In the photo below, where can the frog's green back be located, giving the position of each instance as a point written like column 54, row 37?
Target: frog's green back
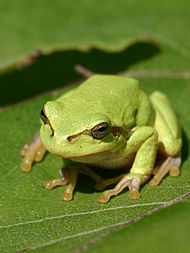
column 121, row 99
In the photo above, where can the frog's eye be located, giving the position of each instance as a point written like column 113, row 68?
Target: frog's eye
column 43, row 116
column 100, row 130
column 45, row 120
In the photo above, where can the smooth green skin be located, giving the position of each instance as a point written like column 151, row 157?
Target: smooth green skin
column 119, row 101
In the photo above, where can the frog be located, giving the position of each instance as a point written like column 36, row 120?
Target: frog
column 108, row 122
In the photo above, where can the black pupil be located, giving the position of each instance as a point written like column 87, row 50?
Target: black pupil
column 42, row 113
column 43, row 116
column 101, row 129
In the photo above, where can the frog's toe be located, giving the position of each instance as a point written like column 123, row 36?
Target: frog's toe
column 175, row 163
column 32, row 151
column 174, row 171
column 39, row 154
column 104, row 198
column 23, row 150
column 134, row 194
column 134, row 185
column 48, row 185
column 67, row 196
column 170, row 165
column 53, row 183
column 154, row 182
column 26, row 165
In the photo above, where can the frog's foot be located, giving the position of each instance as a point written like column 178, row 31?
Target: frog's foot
column 32, row 151
column 73, row 176
column 70, row 175
column 171, row 165
column 132, row 182
column 159, row 162
column 59, row 181
column 104, row 183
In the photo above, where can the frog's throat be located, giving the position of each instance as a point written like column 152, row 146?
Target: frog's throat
column 84, row 156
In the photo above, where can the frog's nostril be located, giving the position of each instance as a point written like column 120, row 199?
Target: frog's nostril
column 43, row 116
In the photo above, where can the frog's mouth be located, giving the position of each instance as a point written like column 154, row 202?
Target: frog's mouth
column 45, row 120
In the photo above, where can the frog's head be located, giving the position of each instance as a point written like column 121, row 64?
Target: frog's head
column 75, row 133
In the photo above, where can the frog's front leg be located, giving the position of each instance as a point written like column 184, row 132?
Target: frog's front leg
column 73, row 176
column 169, row 137
column 32, row 151
column 143, row 142
column 70, row 175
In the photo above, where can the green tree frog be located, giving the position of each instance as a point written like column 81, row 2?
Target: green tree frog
column 108, row 122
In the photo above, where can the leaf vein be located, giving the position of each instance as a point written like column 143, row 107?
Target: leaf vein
column 81, row 213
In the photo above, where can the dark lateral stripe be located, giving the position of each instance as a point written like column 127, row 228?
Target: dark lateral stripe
column 86, row 132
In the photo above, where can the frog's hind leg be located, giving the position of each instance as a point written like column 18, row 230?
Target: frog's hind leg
column 106, row 182
column 169, row 137
column 89, row 172
column 70, row 176
column 171, row 165
column 73, row 175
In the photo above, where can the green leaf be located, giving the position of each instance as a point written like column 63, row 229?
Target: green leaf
column 33, row 218
column 165, row 231
column 61, row 25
